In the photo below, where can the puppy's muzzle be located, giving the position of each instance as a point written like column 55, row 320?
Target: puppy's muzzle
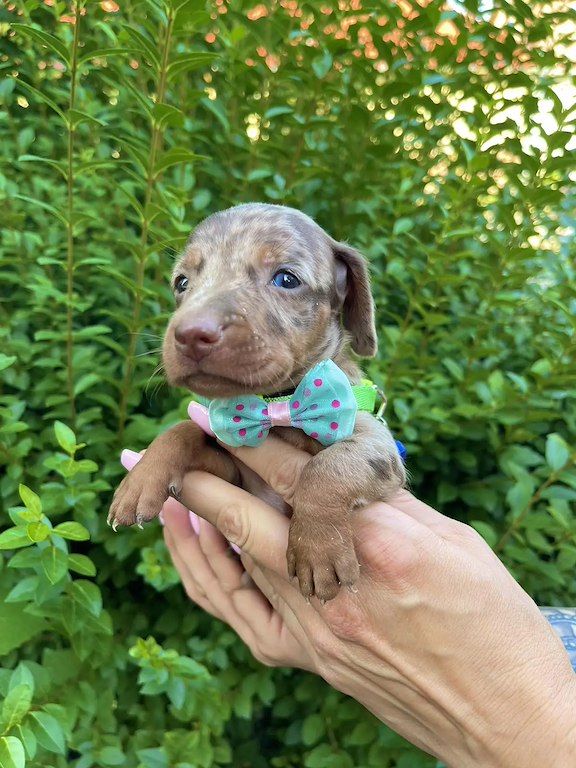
column 197, row 337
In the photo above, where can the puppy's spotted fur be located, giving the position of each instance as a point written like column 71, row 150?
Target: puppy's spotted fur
column 237, row 330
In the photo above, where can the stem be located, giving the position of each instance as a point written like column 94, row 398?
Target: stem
column 70, row 223
column 157, row 134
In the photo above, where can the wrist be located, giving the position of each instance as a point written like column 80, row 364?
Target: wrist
column 542, row 734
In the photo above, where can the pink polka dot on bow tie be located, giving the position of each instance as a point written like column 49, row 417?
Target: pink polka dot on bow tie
column 334, row 425
column 307, row 393
column 314, row 406
column 335, row 403
column 264, row 411
column 260, row 435
column 295, row 404
column 242, row 432
column 317, row 382
column 240, row 407
column 314, row 434
column 236, row 419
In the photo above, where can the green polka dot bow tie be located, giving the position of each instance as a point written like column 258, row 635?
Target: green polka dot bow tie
column 324, row 406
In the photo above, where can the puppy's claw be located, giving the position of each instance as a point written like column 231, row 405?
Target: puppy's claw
column 139, row 525
column 352, row 588
column 174, row 492
column 115, row 526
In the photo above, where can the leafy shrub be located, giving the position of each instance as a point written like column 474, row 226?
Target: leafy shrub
column 120, row 129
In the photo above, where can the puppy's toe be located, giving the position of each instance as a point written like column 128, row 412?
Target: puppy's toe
column 322, row 570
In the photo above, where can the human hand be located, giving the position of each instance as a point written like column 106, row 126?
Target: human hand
column 438, row 641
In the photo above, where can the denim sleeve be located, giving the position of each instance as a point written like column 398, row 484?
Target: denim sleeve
column 563, row 621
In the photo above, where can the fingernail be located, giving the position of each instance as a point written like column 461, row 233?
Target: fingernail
column 129, row 458
column 199, row 415
column 194, row 522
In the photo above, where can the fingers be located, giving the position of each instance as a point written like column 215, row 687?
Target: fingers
column 217, row 582
column 250, row 523
column 277, row 462
column 186, row 554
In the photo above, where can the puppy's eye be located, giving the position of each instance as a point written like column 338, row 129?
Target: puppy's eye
column 284, row 279
column 181, row 283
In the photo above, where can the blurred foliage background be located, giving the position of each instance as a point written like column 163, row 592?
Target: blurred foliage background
column 436, row 137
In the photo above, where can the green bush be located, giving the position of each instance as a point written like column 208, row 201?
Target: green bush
column 122, row 128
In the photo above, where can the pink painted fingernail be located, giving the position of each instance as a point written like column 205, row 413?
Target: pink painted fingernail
column 199, row 414
column 194, row 522
column 129, row 458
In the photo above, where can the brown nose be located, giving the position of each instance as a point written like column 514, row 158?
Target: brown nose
column 196, row 337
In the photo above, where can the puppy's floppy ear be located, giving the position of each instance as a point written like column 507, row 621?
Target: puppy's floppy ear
column 354, row 298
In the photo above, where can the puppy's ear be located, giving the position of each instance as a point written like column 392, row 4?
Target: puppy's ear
column 354, row 298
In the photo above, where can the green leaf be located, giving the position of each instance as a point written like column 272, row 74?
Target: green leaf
column 88, row 595
column 486, row 531
column 54, row 563
column 11, row 753
column 164, row 115
column 15, row 706
column 44, row 206
column 15, row 538
column 42, row 98
column 362, row 734
column 111, row 756
column 321, row 65
column 30, row 500
column 313, row 728
column 37, row 532
column 65, row 437
column 6, row 360
column 557, row 452
column 73, row 531
column 402, row 225
column 56, row 164
column 143, row 45
column 49, row 732
column 520, row 495
column 82, row 565
column 17, row 627
column 75, row 117
column 45, row 38
column 102, row 53
column 175, row 156
column 185, row 62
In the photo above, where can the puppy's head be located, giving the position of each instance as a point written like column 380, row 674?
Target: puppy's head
column 263, row 294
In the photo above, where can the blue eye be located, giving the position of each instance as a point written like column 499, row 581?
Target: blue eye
column 284, row 279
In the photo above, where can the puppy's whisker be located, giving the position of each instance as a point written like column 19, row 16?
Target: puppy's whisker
column 159, row 370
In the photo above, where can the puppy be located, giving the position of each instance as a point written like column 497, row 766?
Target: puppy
column 268, row 303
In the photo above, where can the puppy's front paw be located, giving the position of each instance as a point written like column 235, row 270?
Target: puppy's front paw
column 321, row 556
column 141, row 494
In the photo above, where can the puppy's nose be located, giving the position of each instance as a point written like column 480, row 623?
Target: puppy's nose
column 196, row 337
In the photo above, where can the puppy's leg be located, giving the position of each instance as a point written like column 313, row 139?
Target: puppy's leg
column 347, row 475
column 160, row 472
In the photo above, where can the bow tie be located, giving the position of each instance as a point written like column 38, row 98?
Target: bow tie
column 323, row 406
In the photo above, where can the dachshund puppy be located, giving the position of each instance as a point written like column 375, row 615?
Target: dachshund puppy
column 268, row 307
